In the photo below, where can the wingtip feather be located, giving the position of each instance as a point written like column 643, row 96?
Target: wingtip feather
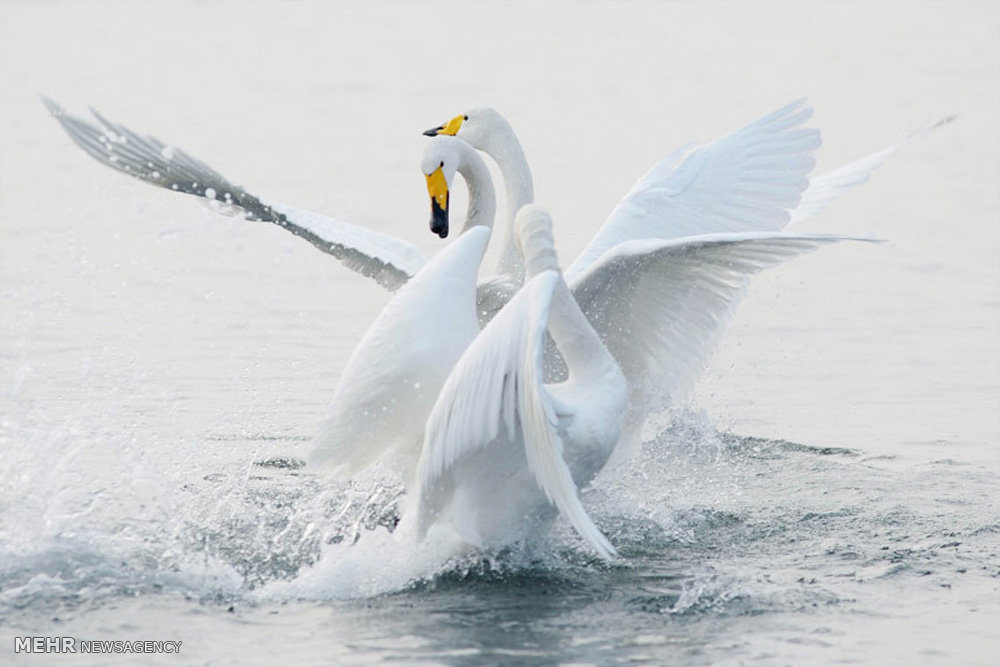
column 53, row 108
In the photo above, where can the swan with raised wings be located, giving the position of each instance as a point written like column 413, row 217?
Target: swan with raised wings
column 748, row 180
column 503, row 451
column 763, row 164
column 751, row 180
column 656, row 304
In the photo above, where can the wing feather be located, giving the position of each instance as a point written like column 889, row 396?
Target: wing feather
column 497, row 385
column 746, row 181
column 824, row 189
column 388, row 260
column 481, row 394
column 660, row 305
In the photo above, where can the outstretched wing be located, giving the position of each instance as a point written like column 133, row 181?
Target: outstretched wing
column 824, row 189
column 660, row 306
column 497, row 385
column 388, row 260
column 746, row 181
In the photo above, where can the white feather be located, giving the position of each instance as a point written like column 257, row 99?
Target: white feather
column 398, row 368
column 660, row 305
column 388, row 260
column 748, row 180
column 824, row 189
column 495, row 398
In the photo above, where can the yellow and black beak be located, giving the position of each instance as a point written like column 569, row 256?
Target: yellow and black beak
column 450, row 128
column 437, row 188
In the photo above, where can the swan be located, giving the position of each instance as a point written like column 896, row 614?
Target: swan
column 504, row 451
column 393, row 375
column 755, row 179
column 397, row 369
column 666, row 358
column 745, row 181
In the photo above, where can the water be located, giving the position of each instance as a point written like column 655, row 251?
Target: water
column 832, row 496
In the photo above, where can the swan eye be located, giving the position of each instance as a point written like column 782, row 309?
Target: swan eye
column 465, row 117
column 442, row 163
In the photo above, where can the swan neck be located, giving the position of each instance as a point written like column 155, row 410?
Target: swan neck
column 482, row 197
column 518, row 184
column 586, row 356
column 519, row 188
column 540, row 254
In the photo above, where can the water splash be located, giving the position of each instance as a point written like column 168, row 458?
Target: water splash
column 698, row 516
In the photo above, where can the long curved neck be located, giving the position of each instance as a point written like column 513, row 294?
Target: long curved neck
column 518, row 184
column 482, row 197
column 506, row 151
column 581, row 347
column 586, row 356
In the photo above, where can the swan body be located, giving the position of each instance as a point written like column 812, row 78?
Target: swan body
column 392, row 376
column 395, row 373
column 503, row 451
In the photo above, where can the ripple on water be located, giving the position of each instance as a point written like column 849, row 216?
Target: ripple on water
column 714, row 529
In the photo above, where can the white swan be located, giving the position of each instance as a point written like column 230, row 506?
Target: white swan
column 395, row 373
column 666, row 358
column 751, row 180
column 500, row 445
column 501, row 449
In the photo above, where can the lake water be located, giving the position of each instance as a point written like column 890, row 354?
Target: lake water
column 831, row 496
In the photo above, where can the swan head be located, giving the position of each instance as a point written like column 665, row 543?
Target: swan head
column 439, row 164
column 476, row 127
